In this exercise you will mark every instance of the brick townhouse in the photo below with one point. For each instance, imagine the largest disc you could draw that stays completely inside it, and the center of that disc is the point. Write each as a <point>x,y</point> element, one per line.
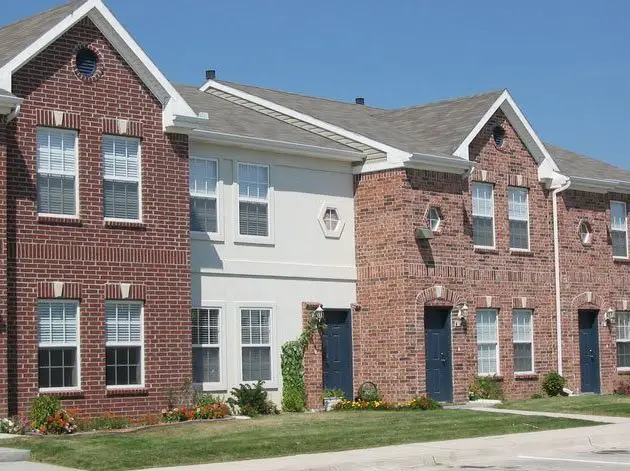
<point>478,249</point>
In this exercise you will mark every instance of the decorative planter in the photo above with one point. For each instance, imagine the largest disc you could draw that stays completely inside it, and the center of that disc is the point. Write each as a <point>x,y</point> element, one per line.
<point>329,403</point>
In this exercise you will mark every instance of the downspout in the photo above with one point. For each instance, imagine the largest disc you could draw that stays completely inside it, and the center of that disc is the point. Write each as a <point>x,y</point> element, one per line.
<point>556,253</point>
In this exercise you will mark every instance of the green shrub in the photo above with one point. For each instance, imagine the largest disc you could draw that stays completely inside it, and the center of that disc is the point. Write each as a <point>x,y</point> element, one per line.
<point>553,384</point>
<point>208,400</point>
<point>334,393</point>
<point>43,407</point>
<point>292,365</point>
<point>486,387</point>
<point>424,403</point>
<point>252,400</point>
<point>368,392</point>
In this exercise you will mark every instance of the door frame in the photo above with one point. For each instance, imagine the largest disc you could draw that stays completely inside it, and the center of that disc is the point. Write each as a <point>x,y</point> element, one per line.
<point>348,311</point>
<point>599,348</point>
<point>449,319</point>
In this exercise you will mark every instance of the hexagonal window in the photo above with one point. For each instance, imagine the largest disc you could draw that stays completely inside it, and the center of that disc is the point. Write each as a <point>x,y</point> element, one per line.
<point>434,218</point>
<point>585,232</point>
<point>330,221</point>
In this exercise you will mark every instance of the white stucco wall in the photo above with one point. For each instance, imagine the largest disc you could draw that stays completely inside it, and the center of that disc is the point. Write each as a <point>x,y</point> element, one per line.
<point>301,263</point>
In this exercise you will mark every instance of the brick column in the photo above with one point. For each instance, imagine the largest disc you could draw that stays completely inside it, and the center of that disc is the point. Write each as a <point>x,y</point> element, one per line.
<point>313,362</point>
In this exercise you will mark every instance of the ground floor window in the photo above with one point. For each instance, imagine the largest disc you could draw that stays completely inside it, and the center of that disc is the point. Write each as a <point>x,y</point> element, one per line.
<point>623,339</point>
<point>487,342</point>
<point>124,343</point>
<point>523,339</point>
<point>256,344</point>
<point>206,345</point>
<point>58,344</point>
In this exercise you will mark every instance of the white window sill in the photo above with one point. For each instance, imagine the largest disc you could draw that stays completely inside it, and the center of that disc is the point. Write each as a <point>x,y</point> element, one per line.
<point>623,369</point>
<point>210,387</point>
<point>58,216</point>
<point>123,221</point>
<point>253,240</point>
<point>266,384</point>
<point>525,373</point>
<point>520,250</point>
<point>127,387</point>
<point>60,390</point>
<point>211,236</point>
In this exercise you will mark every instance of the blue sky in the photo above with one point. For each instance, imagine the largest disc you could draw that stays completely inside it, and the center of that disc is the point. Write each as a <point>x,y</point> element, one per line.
<point>566,62</point>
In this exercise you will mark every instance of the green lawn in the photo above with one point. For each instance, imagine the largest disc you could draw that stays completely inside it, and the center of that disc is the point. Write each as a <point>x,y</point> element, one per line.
<point>592,405</point>
<point>286,434</point>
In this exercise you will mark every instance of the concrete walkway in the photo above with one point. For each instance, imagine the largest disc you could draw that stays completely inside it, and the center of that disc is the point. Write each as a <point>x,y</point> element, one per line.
<point>606,419</point>
<point>444,453</point>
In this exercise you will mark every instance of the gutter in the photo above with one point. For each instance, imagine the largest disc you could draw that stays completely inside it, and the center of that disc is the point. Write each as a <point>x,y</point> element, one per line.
<point>9,105</point>
<point>556,255</point>
<point>440,164</point>
<point>594,185</point>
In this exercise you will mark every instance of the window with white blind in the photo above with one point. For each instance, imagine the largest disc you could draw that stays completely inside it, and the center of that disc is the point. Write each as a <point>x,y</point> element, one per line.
<point>253,200</point>
<point>124,343</point>
<point>57,172</point>
<point>203,195</point>
<point>121,178</point>
<point>487,342</point>
<point>619,229</point>
<point>518,214</point>
<point>58,344</point>
<point>623,339</point>
<point>523,339</point>
<point>206,345</point>
<point>256,344</point>
<point>483,214</point>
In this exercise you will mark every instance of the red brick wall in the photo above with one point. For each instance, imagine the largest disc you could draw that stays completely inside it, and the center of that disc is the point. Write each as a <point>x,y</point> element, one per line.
<point>590,279</point>
<point>3,270</point>
<point>396,274</point>
<point>154,257</point>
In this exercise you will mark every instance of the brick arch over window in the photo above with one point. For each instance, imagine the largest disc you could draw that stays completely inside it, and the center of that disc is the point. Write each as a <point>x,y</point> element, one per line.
<point>439,295</point>
<point>587,299</point>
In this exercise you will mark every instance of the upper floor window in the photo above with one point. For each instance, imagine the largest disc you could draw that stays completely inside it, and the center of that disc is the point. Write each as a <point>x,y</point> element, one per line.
<point>253,200</point>
<point>623,339</point>
<point>518,213</point>
<point>203,195</point>
<point>58,344</point>
<point>619,229</point>
<point>121,178</point>
<point>56,172</point>
<point>483,214</point>
<point>487,342</point>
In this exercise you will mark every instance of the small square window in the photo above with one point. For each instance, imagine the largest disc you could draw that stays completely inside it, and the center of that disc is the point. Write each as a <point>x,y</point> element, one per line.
<point>434,219</point>
<point>585,232</point>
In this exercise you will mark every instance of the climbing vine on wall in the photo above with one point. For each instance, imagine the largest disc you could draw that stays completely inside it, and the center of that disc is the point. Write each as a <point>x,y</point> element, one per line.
<point>292,365</point>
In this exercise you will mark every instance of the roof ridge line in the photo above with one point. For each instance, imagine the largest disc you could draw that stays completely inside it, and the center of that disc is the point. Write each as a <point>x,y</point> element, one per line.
<point>497,91</point>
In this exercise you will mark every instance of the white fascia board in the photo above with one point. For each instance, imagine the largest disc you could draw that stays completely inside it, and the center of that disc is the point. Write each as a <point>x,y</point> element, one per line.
<point>594,185</point>
<point>257,143</point>
<point>97,11</point>
<point>440,164</point>
<point>547,166</point>
<point>396,154</point>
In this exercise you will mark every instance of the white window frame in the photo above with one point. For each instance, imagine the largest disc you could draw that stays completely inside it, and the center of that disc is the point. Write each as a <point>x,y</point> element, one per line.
<point>219,235</point>
<point>618,340</point>
<point>496,342</point>
<point>273,382</point>
<point>249,239</point>
<point>221,385</point>
<point>76,344</point>
<point>123,179</point>
<point>531,341</point>
<point>512,218</point>
<point>494,232</point>
<point>330,233</point>
<point>75,174</point>
<point>140,344</point>
<point>429,219</point>
<point>625,211</point>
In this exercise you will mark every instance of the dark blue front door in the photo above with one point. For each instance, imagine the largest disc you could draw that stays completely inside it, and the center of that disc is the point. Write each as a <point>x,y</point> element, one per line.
<point>589,351</point>
<point>437,334</point>
<point>337,342</point>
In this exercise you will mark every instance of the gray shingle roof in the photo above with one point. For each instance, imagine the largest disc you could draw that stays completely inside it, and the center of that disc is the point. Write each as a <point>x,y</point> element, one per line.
<point>436,128</point>
<point>16,37</point>
<point>231,118</point>
<point>576,165</point>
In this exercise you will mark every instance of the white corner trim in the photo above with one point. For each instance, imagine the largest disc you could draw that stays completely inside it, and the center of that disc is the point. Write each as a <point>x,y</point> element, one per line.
<point>391,151</point>
<point>175,104</point>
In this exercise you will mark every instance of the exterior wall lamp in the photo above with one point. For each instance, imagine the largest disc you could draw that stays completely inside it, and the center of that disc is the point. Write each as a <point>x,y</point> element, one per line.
<point>461,313</point>
<point>318,314</point>
<point>609,317</point>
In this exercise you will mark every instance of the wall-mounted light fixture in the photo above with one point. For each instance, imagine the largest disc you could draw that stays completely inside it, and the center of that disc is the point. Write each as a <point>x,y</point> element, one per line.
<point>318,314</point>
<point>609,316</point>
<point>461,315</point>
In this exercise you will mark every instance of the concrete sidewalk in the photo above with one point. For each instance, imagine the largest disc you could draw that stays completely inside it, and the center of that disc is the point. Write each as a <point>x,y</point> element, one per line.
<point>420,455</point>
<point>606,419</point>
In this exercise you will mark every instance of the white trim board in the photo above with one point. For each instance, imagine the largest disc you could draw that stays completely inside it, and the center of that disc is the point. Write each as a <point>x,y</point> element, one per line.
<point>121,40</point>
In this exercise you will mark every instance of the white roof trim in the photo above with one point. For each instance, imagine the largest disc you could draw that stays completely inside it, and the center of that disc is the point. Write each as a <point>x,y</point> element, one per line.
<point>593,185</point>
<point>397,154</point>
<point>99,13</point>
<point>546,165</point>
<point>257,143</point>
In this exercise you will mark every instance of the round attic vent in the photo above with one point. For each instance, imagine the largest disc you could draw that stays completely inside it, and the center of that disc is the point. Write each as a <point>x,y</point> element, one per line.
<point>498,134</point>
<point>87,61</point>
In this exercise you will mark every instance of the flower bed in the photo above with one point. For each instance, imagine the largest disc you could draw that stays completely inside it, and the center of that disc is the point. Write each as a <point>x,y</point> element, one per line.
<point>217,410</point>
<point>418,403</point>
